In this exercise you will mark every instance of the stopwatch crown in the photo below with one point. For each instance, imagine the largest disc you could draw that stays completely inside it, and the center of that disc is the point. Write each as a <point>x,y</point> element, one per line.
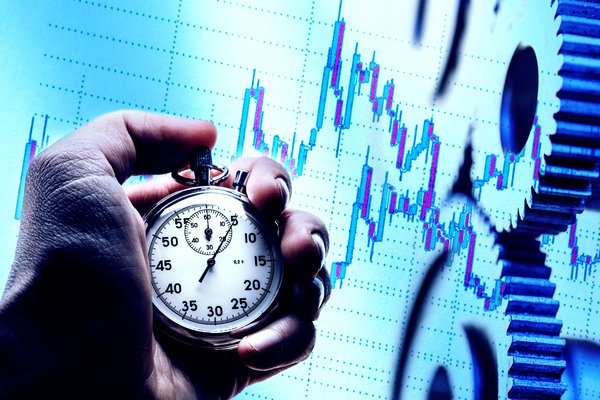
<point>201,164</point>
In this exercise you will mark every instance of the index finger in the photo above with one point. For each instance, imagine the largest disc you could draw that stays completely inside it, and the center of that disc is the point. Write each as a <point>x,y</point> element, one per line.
<point>135,142</point>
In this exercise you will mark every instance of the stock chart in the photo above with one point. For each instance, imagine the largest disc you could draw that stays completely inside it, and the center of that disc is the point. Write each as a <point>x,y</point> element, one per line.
<point>379,110</point>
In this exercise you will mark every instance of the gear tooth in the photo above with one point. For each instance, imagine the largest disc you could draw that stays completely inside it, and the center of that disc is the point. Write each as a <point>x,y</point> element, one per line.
<point>575,152</point>
<point>558,218</point>
<point>556,203</point>
<point>535,228</point>
<point>536,345</point>
<point>579,17</point>
<point>576,88</point>
<point>578,8</point>
<point>577,129</point>
<point>535,389</point>
<point>541,367</point>
<point>579,110</point>
<point>572,140</point>
<point>579,45</point>
<point>516,269</point>
<point>534,324</point>
<point>564,187</point>
<point>580,66</point>
<point>532,305</point>
<point>554,169</point>
<point>527,286</point>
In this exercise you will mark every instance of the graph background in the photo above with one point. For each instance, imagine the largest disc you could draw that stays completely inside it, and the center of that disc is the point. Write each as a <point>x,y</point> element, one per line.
<point>70,61</point>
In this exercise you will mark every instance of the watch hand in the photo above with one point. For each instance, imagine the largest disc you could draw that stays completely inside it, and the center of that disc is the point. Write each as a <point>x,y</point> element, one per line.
<point>208,232</point>
<point>211,261</point>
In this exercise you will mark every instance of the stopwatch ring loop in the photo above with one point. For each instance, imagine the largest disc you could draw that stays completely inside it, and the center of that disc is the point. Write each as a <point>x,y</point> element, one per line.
<point>213,180</point>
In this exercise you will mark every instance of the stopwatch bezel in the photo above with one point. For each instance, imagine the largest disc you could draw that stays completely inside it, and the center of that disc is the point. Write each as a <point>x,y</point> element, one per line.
<point>228,339</point>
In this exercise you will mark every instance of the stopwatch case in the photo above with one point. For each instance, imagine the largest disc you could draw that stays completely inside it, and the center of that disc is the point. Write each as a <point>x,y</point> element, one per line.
<point>225,340</point>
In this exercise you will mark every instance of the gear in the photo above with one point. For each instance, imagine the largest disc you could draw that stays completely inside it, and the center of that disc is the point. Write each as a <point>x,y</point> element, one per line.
<point>502,180</point>
<point>560,193</point>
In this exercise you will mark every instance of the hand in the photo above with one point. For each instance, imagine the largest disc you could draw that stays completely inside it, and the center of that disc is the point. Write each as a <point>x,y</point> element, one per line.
<point>76,315</point>
<point>211,261</point>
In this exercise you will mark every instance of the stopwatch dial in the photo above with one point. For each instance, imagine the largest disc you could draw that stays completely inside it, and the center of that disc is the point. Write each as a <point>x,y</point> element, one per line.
<point>212,289</point>
<point>208,231</point>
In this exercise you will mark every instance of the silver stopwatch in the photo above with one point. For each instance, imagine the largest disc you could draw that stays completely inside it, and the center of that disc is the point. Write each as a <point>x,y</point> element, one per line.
<point>215,265</point>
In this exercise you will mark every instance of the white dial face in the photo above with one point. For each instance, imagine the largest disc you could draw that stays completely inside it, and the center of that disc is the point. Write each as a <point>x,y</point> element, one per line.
<point>213,267</point>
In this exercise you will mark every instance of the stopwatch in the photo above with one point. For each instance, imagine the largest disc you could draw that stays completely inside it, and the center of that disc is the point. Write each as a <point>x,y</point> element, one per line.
<point>215,265</point>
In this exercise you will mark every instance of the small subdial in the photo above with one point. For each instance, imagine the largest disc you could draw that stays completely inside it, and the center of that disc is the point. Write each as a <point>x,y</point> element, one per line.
<point>206,229</point>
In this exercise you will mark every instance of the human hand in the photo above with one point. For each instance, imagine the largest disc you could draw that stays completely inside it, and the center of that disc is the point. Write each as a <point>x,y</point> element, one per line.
<point>76,315</point>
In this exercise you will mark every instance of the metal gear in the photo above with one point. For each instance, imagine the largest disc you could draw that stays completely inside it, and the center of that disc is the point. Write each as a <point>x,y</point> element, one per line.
<point>563,186</point>
<point>499,189</point>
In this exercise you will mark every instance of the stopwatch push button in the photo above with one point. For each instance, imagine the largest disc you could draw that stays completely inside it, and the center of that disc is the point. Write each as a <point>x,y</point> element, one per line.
<point>239,183</point>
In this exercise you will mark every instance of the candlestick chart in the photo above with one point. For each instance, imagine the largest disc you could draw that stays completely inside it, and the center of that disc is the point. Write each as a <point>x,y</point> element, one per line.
<point>343,97</point>
<point>32,148</point>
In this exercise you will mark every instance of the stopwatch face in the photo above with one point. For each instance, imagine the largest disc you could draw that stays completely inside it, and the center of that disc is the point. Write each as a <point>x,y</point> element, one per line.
<point>215,268</point>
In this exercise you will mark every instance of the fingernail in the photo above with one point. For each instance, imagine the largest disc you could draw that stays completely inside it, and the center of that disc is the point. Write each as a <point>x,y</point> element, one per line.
<point>320,245</point>
<point>267,341</point>
<point>285,190</point>
<point>321,286</point>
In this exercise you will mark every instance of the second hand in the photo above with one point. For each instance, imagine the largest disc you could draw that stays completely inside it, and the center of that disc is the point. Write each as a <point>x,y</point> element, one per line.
<point>211,261</point>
